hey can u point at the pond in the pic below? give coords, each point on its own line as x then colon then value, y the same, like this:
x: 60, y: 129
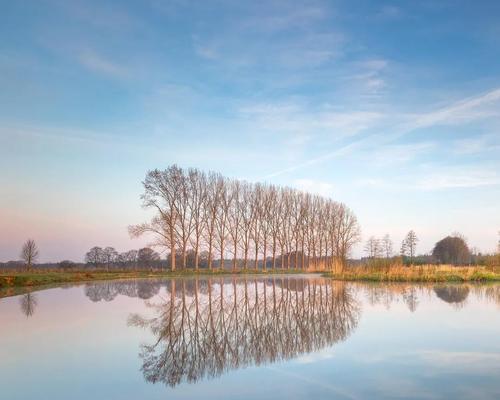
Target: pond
x: 272, y: 337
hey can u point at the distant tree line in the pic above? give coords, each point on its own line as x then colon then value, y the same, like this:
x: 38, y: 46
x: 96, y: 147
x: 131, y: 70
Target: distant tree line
x: 253, y: 224
x: 108, y: 257
x: 452, y: 249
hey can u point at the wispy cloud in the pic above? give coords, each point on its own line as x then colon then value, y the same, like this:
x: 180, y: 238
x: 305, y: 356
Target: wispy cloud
x: 100, y: 64
x: 283, y: 18
x: 370, y: 75
x: 100, y: 14
x: 399, y: 153
x: 477, y: 145
x: 389, y: 12
x: 436, y: 178
x: 295, y: 117
x: 270, y: 35
x: 458, y: 179
x: 466, y: 110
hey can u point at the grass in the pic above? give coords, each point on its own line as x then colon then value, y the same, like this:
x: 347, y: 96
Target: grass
x: 12, y: 279
x: 422, y: 273
x: 9, y: 280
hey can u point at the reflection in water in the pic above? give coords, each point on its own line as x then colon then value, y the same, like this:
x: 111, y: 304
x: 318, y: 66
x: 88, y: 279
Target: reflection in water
x: 195, y: 329
x: 28, y: 304
x: 204, y: 328
x: 107, y: 291
x: 386, y: 294
x: 456, y: 294
x: 453, y: 294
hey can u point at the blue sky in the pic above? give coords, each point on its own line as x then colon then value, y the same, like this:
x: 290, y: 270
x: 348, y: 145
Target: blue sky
x: 390, y: 107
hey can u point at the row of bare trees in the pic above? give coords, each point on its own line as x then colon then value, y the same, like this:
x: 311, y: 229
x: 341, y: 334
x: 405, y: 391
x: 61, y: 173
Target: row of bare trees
x: 379, y: 248
x: 253, y: 224
x: 205, y: 328
x: 108, y: 257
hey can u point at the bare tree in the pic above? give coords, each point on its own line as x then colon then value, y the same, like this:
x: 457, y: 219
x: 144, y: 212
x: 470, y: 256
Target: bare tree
x: 373, y: 247
x: 235, y: 216
x: 207, y: 213
x: 161, y: 191
x: 185, y: 223
x: 274, y: 212
x: 147, y: 257
x: 109, y: 255
x: 29, y: 253
x: 198, y: 190
x: 411, y: 241
x: 245, y: 211
x: 387, y: 246
x: 211, y: 208
x: 222, y: 217
x: 131, y: 257
x: 348, y: 233
x: 95, y: 256
x: 404, y: 248
x: 257, y: 221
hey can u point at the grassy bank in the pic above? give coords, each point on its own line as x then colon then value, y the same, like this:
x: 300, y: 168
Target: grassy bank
x: 11, y: 279
x: 423, y: 273
x: 395, y: 273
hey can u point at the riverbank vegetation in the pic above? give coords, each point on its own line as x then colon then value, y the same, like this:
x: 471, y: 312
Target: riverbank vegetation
x: 417, y: 273
x: 15, y: 278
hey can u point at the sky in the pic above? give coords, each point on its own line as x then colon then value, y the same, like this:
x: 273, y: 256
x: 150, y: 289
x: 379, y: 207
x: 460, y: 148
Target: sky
x: 392, y: 107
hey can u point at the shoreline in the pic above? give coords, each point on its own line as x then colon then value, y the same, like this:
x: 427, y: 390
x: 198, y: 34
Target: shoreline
x: 420, y: 275
x: 17, y: 279
x: 34, y: 279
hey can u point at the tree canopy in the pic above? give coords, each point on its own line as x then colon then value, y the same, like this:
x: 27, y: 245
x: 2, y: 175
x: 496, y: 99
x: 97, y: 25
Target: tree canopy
x: 452, y: 250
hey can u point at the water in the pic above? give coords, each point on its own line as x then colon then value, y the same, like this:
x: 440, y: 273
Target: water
x: 251, y: 338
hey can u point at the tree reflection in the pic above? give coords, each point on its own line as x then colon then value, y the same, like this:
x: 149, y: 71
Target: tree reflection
x: 203, y: 328
x: 490, y: 293
x: 28, y: 304
x: 386, y: 294
x: 107, y: 291
x: 453, y: 294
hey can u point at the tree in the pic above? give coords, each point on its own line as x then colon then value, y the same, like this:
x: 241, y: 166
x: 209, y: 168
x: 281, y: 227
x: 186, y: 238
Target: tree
x: 161, y: 192
x: 198, y: 190
x: 235, y: 219
x: 404, y: 248
x: 410, y: 242
x: 387, y: 246
x: 197, y: 212
x: 222, y: 224
x: 373, y: 247
x: 95, y: 256
x: 129, y: 257
x: 66, y: 265
x: 147, y: 257
x: 348, y: 233
x: 110, y: 255
x: 452, y: 250
x: 29, y: 253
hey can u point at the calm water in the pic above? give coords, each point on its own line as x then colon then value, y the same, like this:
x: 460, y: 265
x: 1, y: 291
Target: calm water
x: 251, y: 338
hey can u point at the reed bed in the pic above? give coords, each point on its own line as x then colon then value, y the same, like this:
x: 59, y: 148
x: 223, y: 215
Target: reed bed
x: 419, y: 273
